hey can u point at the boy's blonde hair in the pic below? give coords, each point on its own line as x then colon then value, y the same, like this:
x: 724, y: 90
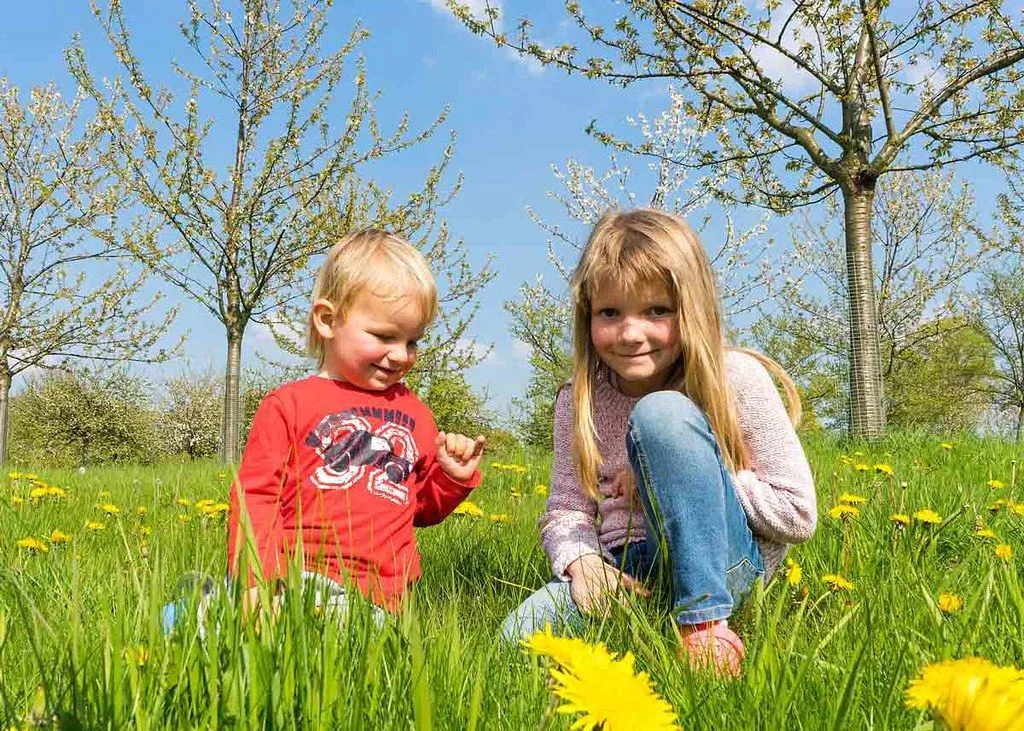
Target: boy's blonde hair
x: 633, y: 249
x: 376, y: 262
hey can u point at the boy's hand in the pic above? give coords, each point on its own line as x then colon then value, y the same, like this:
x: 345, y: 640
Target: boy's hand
x: 459, y: 455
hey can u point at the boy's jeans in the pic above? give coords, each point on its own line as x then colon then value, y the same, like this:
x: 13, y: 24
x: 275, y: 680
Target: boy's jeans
x: 697, y: 533
x: 329, y: 596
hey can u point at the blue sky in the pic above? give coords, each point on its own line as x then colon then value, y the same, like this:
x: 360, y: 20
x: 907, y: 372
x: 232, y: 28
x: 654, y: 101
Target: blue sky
x: 513, y: 120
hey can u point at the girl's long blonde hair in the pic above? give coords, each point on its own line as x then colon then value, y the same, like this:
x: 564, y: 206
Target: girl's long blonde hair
x: 632, y: 249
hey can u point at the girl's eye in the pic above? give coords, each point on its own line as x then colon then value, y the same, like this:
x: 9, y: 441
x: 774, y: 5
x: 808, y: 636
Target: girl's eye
x: 607, y: 312
x: 384, y: 338
x: 413, y: 344
x: 660, y: 311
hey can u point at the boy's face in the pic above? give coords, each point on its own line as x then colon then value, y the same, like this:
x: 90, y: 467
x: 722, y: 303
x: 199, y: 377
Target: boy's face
x: 374, y: 345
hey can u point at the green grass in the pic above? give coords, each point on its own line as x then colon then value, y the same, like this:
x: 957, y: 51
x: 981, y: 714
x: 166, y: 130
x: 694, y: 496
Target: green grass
x: 81, y: 645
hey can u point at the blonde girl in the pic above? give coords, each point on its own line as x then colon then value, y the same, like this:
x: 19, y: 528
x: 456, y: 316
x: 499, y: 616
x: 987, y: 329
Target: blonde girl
x: 675, y: 457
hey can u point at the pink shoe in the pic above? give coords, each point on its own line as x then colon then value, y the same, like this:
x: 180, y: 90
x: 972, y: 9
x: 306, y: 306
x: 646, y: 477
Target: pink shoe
x: 712, y: 645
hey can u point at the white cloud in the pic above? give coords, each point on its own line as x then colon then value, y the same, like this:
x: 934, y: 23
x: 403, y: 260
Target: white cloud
x: 478, y: 9
x: 521, y: 349
x: 777, y: 66
x: 484, y: 352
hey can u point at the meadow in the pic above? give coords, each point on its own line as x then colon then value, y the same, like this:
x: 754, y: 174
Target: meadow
x: 917, y: 558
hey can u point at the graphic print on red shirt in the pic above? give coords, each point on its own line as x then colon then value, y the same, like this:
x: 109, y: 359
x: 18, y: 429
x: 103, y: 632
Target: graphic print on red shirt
x: 350, y: 448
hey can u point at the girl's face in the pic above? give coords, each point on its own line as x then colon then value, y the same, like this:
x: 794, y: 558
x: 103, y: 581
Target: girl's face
x: 636, y: 336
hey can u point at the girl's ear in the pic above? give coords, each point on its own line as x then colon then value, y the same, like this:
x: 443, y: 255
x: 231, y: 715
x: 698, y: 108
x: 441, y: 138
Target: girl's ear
x: 324, y: 314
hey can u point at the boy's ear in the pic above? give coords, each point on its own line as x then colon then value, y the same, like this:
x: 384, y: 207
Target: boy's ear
x: 324, y: 315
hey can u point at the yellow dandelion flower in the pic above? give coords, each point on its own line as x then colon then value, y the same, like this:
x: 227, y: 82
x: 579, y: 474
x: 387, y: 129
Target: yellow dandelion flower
x: 845, y: 460
x: 611, y: 696
x: 971, y: 693
x: 141, y: 510
x: 1015, y: 508
x: 145, y: 530
x: 900, y: 519
x: 109, y: 508
x: 984, y: 533
x: 885, y: 469
x: 59, y: 537
x: 184, y: 517
x: 929, y: 516
x: 605, y: 690
x: 94, y: 525
x: 37, y: 492
x: 184, y: 501
x: 468, y: 508
x: 794, y: 574
x: 950, y: 603
x: 861, y: 467
x: 540, y: 490
x: 851, y: 498
x: 516, y: 494
x: 14, y: 475
x: 1004, y: 551
x: 561, y: 650
x: 33, y: 545
x: 31, y: 476
x: 946, y: 445
x: 499, y: 517
x: 841, y: 512
x: 204, y: 503
x: 222, y: 475
x: 16, y: 501
x: 54, y: 491
x: 998, y: 505
x: 996, y: 484
x: 838, y: 582
x: 137, y: 655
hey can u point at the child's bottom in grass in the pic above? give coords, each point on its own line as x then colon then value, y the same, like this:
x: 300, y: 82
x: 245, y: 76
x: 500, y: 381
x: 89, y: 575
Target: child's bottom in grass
x: 329, y: 597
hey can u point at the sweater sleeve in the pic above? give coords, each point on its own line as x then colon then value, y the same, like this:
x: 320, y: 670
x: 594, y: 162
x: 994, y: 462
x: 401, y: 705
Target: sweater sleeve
x: 567, y: 528
x: 437, y: 494
x: 259, y: 487
x: 777, y: 491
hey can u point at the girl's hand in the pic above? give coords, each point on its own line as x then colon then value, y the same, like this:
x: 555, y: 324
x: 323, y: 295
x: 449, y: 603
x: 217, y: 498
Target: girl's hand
x: 459, y: 455
x: 593, y: 581
x: 624, y: 485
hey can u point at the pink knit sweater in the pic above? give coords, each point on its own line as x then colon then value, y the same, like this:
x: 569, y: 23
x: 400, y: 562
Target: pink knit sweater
x: 777, y: 492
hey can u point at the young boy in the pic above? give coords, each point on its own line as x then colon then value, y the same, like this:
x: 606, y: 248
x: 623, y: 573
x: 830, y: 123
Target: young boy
x: 344, y: 463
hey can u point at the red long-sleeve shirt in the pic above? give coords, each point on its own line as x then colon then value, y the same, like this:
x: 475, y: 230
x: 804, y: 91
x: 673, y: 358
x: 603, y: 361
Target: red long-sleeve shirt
x: 347, y: 471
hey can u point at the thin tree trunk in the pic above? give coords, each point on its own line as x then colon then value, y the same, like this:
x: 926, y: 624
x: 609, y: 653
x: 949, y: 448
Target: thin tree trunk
x: 5, y: 407
x: 1020, y: 424
x: 867, y: 415
x: 230, y: 421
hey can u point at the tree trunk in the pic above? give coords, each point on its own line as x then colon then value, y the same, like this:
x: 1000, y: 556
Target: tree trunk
x: 5, y: 407
x: 230, y: 419
x: 1020, y: 424
x: 867, y: 415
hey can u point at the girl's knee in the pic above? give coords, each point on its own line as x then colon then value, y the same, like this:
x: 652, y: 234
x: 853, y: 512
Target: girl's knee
x: 664, y: 411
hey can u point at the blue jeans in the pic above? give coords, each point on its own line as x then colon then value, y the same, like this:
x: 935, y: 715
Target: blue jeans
x: 697, y: 539
x: 328, y: 595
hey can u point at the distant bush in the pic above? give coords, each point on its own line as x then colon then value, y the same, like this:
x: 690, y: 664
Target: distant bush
x: 81, y: 417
